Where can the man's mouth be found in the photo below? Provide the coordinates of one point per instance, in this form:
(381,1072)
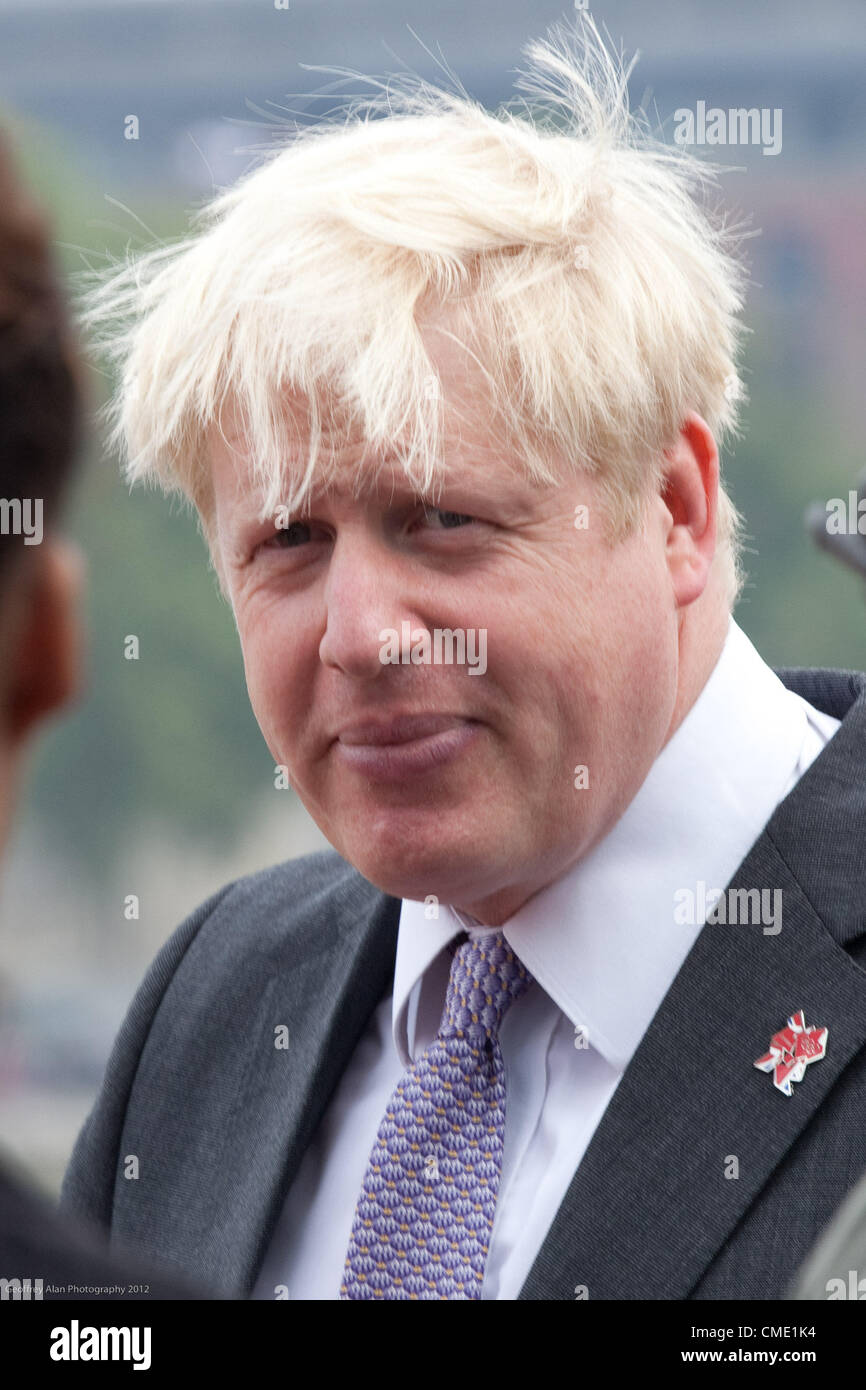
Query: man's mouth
(391,749)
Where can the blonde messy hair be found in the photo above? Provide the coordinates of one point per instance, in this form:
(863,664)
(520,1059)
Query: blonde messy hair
(602,295)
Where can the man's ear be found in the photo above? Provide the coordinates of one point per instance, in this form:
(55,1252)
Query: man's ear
(44,647)
(690,493)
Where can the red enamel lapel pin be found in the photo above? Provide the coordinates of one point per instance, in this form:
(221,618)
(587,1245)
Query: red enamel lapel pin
(791,1051)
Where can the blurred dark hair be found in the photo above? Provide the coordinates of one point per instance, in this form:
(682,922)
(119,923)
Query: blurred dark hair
(41,379)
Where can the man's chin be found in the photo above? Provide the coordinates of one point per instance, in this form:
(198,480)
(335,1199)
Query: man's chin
(411,871)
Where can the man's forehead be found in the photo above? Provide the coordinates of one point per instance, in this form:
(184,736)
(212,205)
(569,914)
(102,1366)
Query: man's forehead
(352,471)
(384,483)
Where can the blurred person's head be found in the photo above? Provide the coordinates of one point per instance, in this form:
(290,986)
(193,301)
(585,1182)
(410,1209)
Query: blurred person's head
(496,320)
(40,428)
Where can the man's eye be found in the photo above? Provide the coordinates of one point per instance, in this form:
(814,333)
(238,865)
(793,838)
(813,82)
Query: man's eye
(450,521)
(289,537)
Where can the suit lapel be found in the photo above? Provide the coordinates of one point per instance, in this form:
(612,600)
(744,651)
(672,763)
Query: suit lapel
(650,1206)
(325,990)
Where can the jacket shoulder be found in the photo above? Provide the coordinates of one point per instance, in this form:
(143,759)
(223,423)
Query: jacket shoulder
(211,971)
(323,880)
(268,912)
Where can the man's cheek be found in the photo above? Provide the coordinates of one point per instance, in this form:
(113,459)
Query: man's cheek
(268,713)
(262,666)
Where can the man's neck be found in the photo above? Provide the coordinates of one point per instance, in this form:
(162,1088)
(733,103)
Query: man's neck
(700,646)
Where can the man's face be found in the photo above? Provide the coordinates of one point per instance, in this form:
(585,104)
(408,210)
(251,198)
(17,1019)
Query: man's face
(430,778)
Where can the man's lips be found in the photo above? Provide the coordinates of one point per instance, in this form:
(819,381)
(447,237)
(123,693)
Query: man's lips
(390,750)
(400,728)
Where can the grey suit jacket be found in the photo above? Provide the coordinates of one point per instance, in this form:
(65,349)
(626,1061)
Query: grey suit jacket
(220,1118)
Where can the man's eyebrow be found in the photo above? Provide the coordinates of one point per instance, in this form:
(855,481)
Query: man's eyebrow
(395,492)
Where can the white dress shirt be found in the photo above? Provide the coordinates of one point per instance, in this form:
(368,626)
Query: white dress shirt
(603,944)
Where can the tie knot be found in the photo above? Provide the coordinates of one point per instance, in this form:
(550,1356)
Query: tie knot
(486,977)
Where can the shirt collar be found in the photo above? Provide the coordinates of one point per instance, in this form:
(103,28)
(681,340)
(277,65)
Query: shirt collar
(602,939)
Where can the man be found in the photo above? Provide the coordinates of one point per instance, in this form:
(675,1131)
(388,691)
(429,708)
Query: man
(445,389)
(43,1255)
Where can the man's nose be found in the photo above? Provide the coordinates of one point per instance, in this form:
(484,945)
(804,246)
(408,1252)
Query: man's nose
(366,595)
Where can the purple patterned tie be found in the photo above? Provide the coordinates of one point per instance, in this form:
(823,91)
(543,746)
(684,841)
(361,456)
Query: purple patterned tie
(424,1218)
